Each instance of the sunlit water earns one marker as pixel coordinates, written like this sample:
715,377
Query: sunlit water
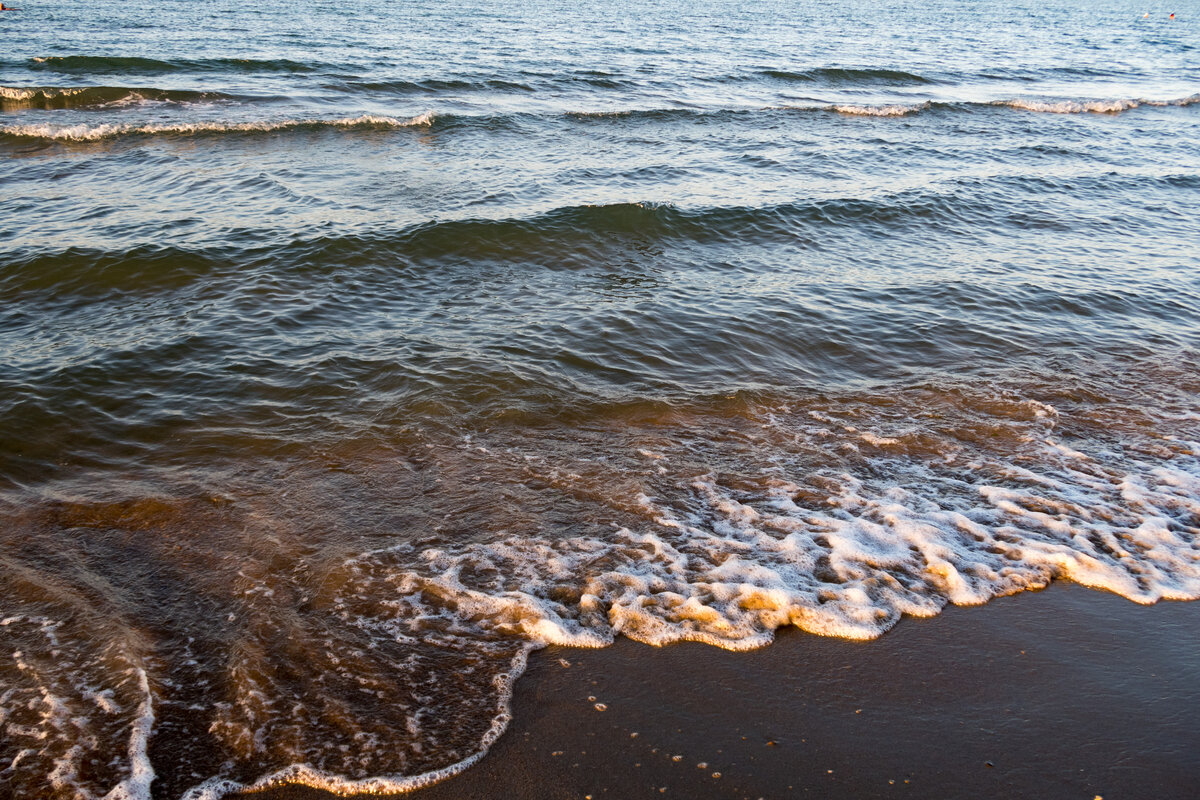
350,351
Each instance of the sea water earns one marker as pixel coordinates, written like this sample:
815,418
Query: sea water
350,351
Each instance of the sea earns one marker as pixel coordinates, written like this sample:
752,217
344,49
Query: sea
350,352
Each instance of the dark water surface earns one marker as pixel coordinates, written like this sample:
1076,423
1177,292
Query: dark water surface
348,352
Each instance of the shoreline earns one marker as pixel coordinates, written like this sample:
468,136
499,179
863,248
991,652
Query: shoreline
1064,692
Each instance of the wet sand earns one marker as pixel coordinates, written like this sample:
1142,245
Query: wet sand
1064,693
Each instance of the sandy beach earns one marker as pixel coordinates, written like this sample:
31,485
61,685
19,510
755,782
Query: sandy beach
1063,693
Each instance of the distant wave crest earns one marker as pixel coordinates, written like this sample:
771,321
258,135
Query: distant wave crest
1095,106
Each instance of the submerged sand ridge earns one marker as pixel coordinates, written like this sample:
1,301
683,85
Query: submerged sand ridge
354,618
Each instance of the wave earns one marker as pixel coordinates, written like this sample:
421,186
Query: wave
1054,73
605,80
91,133
1049,106
137,64
63,97
564,238
898,109
431,86
883,110
597,225
1114,106
38,97
845,76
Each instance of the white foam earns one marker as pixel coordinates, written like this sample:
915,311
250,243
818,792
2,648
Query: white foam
1074,106
729,572
421,120
1067,451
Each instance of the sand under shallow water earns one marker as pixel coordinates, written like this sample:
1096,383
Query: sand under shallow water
1064,693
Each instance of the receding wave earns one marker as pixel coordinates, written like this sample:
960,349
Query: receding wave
14,98
90,133
861,109
365,635
138,64
684,114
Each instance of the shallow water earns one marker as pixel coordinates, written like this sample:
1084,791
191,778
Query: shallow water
348,354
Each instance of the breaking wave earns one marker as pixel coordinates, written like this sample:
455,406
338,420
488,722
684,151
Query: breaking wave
14,98
887,110
91,133
1114,106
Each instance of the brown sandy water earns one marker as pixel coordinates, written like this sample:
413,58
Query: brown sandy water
363,608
